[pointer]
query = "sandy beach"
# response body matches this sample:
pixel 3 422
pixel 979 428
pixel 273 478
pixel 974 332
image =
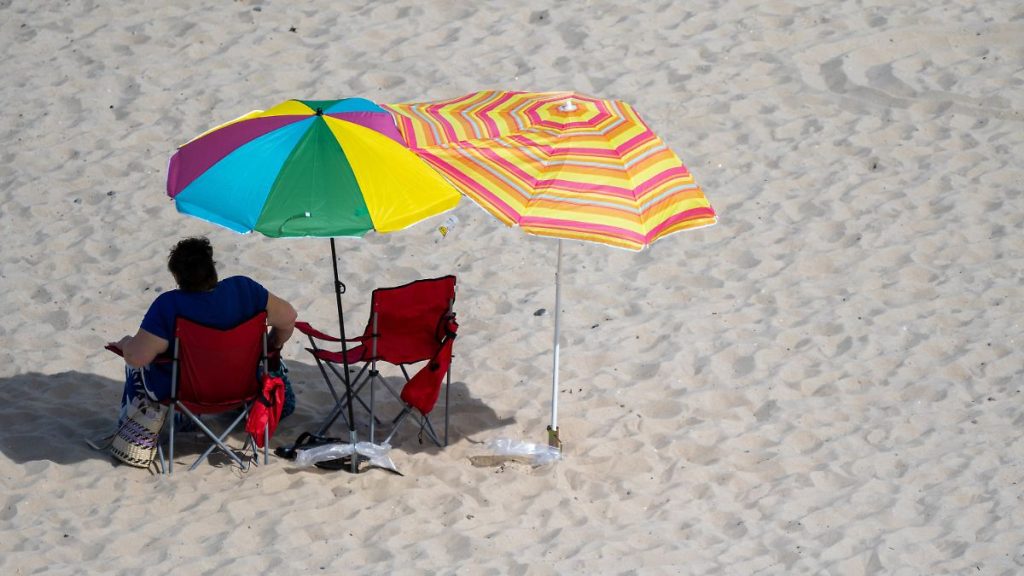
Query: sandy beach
pixel 828 381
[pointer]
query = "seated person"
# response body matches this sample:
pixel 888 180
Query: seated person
pixel 200 297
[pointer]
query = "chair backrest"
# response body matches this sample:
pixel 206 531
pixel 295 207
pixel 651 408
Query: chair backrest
pixel 216 370
pixel 410 320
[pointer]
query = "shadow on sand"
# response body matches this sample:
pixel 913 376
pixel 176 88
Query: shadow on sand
pixel 49 416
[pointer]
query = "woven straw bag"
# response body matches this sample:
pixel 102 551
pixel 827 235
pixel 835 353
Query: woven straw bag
pixel 136 440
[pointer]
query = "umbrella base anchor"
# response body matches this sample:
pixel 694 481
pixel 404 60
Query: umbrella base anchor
pixel 553 440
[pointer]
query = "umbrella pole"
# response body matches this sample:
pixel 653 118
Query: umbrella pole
pixel 553 439
pixel 339 288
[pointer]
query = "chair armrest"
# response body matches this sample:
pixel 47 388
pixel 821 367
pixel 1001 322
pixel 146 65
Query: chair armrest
pixel 354 355
pixel 308 330
pixel 164 358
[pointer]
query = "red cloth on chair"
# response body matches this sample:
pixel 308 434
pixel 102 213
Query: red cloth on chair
pixel 266 410
pixel 422 390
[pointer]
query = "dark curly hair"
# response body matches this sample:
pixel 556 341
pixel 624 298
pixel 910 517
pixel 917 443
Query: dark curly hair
pixel 191 263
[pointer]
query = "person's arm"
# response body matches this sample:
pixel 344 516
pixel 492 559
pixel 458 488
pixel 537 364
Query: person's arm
pixel 281 317
pixel 142 348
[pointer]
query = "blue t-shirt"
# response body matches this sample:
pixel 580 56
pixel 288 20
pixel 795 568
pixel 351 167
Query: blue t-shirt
pixel 232 302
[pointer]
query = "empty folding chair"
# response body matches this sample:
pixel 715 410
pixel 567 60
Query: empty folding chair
pixel 408 324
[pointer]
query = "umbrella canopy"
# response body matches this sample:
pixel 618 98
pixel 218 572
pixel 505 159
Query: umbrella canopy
pixel 321 168
pixel 558 164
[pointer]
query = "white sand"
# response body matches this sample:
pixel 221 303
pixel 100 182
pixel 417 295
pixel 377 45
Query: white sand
pixel 829 381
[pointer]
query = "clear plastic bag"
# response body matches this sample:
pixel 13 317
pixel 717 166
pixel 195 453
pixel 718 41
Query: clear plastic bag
pixel 376 453
pixel 538 454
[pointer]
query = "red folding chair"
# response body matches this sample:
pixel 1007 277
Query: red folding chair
pixel 408 324
pixel 216 371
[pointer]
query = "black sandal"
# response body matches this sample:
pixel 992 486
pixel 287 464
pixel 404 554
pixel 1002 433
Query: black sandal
pixel 343 463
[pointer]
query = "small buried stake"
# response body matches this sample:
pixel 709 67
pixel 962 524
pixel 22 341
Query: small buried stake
pixel 553 440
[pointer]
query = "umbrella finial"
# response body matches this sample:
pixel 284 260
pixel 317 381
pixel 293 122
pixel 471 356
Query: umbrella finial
pixel 568 106
pixel 319 111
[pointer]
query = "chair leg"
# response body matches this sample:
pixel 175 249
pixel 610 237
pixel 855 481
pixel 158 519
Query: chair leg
pixel 373 378
pixel 397 422
pixel 323 372
pixel 373 429
pixel 170 459
pixel 447 389
pixel 160 454
pixel 327 379
pixel 431 432
pixel 395 393
pixel 250 440
pixel 218 441
pixel 356 384
pixel 424 424
pixel 357 387
pixel 340 403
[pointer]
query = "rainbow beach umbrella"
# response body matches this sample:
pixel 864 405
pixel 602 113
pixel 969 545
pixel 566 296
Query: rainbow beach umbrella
pixel 558 164
pixel 321 168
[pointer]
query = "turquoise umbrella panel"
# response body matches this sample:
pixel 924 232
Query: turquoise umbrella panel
pixel 232 192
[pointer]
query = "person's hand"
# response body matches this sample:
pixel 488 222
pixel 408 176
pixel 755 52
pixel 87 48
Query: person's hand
pixel 118 346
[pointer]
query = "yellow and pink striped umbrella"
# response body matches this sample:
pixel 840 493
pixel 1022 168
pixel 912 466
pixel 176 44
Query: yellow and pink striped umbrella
pixel 558 164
